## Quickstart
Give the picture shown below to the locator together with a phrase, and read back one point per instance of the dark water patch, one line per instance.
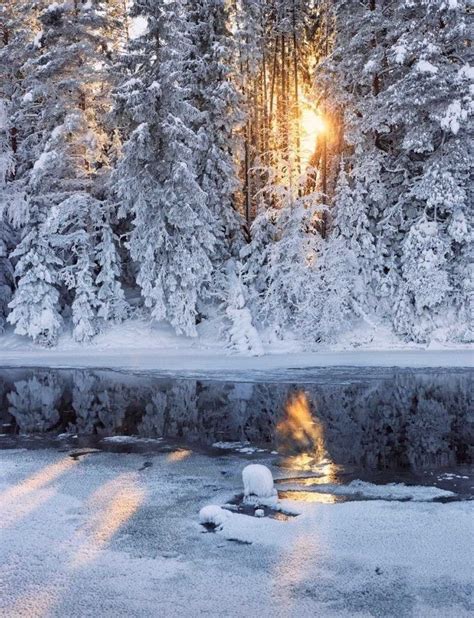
(378, 425)
(238, 505)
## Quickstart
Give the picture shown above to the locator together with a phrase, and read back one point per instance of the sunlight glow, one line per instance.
(300, 428)
(313, 126)
(112, 505)
(21, 499)
(301, 435)
(179, 455)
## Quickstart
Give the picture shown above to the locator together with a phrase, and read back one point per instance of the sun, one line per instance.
(313, 126)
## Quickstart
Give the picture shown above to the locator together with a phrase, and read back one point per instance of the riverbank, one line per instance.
(136, 345)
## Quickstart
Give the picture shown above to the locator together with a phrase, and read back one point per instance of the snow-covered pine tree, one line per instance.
(35, 305)
(85, 301)
(342, 263)
(173, 240)
(239, 329)
(112, 306)
(207, 70)
(7, 168)
(62, 141)
(290, 300)
(399, 72)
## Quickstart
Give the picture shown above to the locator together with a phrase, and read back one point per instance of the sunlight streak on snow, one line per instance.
(112, 505)
(22, 499)
(178, 455)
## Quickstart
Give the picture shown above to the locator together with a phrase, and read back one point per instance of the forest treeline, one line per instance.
(299, 166)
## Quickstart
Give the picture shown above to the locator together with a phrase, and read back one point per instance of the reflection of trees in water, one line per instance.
(34, 403)
(412, 419)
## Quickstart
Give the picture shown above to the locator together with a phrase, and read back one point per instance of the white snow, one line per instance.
(96, 537)
(129, 439)
(258, 481)
(136, 344)
(213, 515)
(400, 52)
(37, 39)
(390, 491)
(423, 66)
(453, 117)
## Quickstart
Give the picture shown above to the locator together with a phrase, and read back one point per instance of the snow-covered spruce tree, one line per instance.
(62, 145)
(112, 306)
(288, 297)
(35, 305)
(207, 72)
(341, 264)
(399, 71)
(174, 236)
(7, 168)
(240, 331)
(213, 92)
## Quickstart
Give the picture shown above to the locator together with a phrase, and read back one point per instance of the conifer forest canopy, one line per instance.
(280, 166)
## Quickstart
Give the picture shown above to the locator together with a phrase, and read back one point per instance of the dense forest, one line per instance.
(280, 166)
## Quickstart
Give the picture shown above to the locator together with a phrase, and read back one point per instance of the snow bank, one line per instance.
(258, 482)
(137, 345)
(213, 515)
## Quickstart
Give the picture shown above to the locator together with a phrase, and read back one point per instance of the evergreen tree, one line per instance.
(173, 240)
(207, 70)
(34, 308)
(61, 149)
(399, 71)
(112, 306)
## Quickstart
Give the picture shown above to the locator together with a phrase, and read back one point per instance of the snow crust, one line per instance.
(391, 491)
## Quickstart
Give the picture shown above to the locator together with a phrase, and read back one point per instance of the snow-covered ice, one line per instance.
(390, 491)
(99, 537)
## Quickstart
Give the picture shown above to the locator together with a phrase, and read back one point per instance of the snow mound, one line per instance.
(258, 482)
(213, 515)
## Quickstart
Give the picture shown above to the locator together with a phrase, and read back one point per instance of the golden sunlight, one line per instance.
(20, 500)
(299, 429)
(313, 126)
(178, 455)
(112, 505)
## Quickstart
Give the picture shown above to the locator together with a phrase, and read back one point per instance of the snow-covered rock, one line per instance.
(258, 482)
(213, 515)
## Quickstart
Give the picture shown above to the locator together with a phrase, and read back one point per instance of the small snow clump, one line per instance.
(213, 516)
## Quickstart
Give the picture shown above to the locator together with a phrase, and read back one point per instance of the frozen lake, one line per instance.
(103, 474)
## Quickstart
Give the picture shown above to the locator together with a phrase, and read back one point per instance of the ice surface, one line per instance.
(258, 481)
(97, 537)
(391, 491)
